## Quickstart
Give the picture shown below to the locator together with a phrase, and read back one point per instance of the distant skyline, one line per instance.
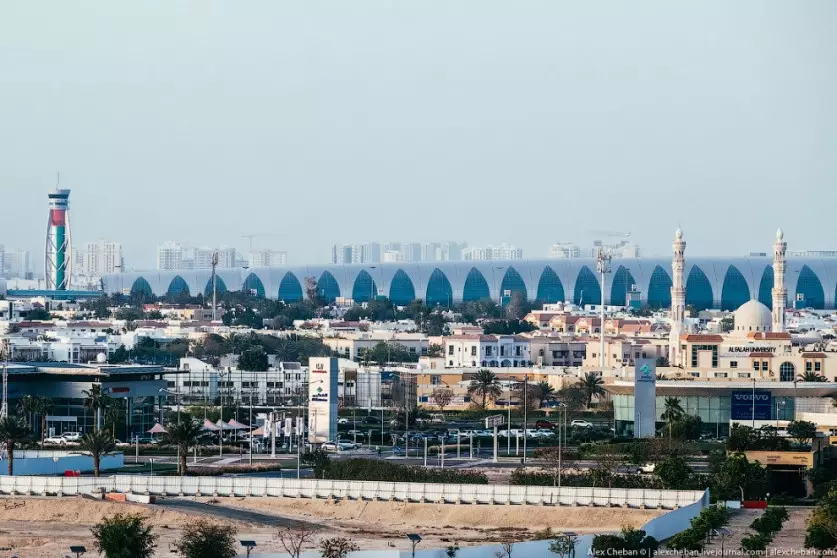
(323, 123)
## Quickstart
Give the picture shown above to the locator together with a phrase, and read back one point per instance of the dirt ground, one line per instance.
(41, 527)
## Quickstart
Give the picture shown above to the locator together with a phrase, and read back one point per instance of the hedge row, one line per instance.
(695, 537)
(766, 526)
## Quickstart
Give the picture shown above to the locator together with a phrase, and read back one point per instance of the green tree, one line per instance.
(42, 407)
(26, 407)
(435, 351)
(741, 437)
(124, 536)
(688, 427)
(120, 355)
(810, 376)
(674, 472)
(542, 392)
(441, 397)
(253, 360)
(318, 460)
(337, 548)
(485, 385)
(94, 400)
(98, 444)
(183, 436)
(673, 412)
(12, 431)
(819, 538)
(802, 431)
(592, 385)
(203, 539)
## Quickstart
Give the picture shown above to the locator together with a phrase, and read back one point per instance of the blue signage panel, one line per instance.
(645, 397)
(742, 405)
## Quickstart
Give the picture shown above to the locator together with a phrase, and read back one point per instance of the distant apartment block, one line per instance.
(564, 250)
(501, 252)
(267, 258)
(102, 257)
(169, 256)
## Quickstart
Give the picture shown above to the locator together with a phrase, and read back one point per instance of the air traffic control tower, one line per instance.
(57, 255)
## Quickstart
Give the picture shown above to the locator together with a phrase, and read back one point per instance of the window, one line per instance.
(720, 374)
(786, 372)
(733, 364)
(518, 351)
(808, 366)
(713, 348)
(540, 353)
(743, 374)
(488, 351)
(765, 366)
(817, 366)
(473, 350)
(450, 349)
(435, 380)
(755, 365)
(502, 350)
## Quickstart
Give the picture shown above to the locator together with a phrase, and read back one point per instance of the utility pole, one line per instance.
(4, 410)
(214, 287)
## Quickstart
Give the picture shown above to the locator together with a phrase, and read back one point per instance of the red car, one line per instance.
(544, 424)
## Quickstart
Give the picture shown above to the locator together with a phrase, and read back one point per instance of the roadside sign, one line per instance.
(495, 420)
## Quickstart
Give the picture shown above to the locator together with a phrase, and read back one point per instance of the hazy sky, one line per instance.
(487, 121)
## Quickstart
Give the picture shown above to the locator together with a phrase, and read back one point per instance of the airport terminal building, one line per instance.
(724, 283)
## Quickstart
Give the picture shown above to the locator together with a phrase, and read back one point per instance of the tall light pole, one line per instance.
(214, 286)
(603, 267)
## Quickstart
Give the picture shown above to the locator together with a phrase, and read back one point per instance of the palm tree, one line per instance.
(485, 385)
(95, 400)
(592, 386)
(673, 412)
(112, 413)
(809, 376)
(12, 431)
(42, 407)
(543, 392)
(97, 444)
(26, 407)
(183, 435)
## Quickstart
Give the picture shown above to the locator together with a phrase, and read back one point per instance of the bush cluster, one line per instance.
(694, 538)
(766, 526)
(377, 470)
(595, 478)
(231, 470)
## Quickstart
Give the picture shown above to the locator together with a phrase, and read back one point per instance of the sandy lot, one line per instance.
(36, 527)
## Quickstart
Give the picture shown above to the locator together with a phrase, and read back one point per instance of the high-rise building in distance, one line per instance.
(58, 252)
(267, 258)
(564, 250)
(226, 257)
(102, 257)
(502, 252)
(203, 257)
(412, 252)
(17, 264)
(169, 256)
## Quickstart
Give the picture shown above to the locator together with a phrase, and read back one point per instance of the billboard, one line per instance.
(645, 398)
(322, 400)
(741, 405)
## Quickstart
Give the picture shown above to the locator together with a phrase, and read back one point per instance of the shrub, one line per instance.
(378, 470)
(203, 539)
(124, 536)
(754, 543)
(592, 478)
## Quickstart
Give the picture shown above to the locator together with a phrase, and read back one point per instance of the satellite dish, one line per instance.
(101, 358)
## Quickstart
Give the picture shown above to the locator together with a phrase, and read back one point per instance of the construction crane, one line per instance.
(625, 235)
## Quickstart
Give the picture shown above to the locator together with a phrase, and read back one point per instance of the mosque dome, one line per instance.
(753, 316)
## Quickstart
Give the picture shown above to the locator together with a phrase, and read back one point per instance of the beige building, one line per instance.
(353, 345)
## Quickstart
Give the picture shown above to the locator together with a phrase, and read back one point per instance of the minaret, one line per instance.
(678, 298)
(780, 293)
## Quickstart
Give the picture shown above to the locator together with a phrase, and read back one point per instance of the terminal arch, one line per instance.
(290, 290)
(476, 287)
(809, 288)
(734, 291)
(177, 287)
(254, 285)
(512, 281)
(587, 289)
(401, 289)
(698, 290)
(220, 287)
(550, 288)
(439, 291)
(659, 289)
(327, 287)
(623, 282)
(141, 289)
(364, 289)
(766, 287)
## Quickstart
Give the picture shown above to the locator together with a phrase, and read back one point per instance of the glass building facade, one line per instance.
(735, 291)
(289, 289)
(550, 288)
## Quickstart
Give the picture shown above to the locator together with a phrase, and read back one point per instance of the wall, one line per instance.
(46, 465)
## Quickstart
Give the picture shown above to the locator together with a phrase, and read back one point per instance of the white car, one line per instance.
(343, 421)
(59, 440)
(581, 423)
(544, 433)
(648, 468)
(72, 436)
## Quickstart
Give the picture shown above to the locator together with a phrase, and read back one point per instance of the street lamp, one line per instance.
(221, 375)
(177, 396)
(78, 550)
(723, 533)
(249, 545)
(415, 539)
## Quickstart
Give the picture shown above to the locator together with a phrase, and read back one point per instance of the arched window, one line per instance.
(476, 287)
(254, 286)
(439, 291)
(364, 288)
(141, 289)
(623, 283)
(512, 281)
(766, 287)
(809, 290)
(220, 287)
(587, 289)
(290, 289)
(659, 289)
(550, 288)
(177, 287)
(787, 372)
(734, 291)
(327, 287)
(401, 289)
(698, 290)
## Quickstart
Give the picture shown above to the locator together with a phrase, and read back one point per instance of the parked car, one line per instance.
(345, 445)
(59, 440)
(544, 433)
(370, 420)
(343, 421)
(544, 424)
(648, 468)
(437, 418)
(72, 436)
(581, 423)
